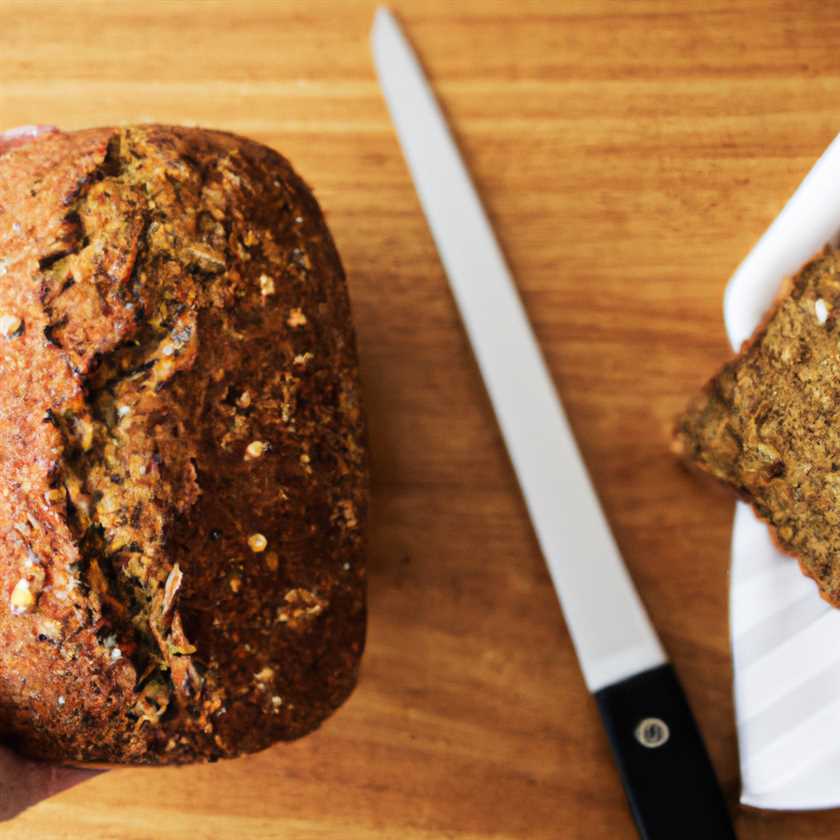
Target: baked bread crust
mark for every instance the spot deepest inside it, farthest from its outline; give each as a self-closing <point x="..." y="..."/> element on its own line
<point x="183" y="469"/>
<point x="768" y="424"/>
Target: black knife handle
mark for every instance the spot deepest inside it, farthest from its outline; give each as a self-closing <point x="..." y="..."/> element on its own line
<point x="667" y="775"/>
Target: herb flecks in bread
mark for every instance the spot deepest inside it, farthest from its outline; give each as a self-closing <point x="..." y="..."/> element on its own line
<point x="182" y="581"/>
<point x="769" y="423"/>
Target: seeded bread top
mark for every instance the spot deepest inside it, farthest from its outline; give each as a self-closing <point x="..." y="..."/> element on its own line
<point x="182" y="462"/>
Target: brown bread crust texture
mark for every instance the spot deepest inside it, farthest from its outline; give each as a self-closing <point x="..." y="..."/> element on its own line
<point x="768" y="424"/>
<point x="183" y="469"/>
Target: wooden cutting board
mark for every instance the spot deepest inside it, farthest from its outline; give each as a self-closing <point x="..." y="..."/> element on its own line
<point x="629" y="154"/>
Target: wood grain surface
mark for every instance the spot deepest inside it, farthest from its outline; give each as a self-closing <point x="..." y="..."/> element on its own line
<point x="629" y="155"/>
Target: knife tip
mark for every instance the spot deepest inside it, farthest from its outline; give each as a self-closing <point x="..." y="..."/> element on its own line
<point x="383" y="19"/>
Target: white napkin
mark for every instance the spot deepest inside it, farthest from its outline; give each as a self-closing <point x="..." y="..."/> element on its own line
<point x="785" y="638"/>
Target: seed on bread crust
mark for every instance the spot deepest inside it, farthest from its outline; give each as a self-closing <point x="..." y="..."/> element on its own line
<point x="10" y="326"/>
<point x="257" y="543"/>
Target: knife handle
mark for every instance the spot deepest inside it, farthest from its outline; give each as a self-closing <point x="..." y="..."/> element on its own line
<point x="667" y="775"/>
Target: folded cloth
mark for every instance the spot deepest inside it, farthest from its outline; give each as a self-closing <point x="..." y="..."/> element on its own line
<point x="785" y="638"/>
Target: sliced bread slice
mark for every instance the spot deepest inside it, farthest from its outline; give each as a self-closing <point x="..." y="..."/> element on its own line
<point x="768" y="424"/>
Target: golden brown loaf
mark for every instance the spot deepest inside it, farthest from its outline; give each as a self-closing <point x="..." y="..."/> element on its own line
<point x="768" y="424"/>
<point x="183" y="473"/>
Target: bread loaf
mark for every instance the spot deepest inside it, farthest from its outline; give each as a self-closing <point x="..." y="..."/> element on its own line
<point x="768" y="424"/>
<point x="183" y="472"/>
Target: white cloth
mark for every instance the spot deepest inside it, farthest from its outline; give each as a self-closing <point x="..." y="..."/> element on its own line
<point x="785" y="638"/>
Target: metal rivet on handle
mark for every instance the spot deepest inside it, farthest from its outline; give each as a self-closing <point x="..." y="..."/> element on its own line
<point x="652" y="733"/>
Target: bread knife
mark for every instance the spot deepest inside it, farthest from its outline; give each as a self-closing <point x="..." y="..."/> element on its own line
<point x="663" y="763"/>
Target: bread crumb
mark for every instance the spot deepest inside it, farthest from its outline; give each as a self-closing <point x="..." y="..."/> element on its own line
<point x="301" y="607"/>
<point x="235" y="583"/>
<point x="84" y="432"/>
<point x="57" y="494"/>
<point x="164" y="369"/>
<point x="50" y="629"/>
<point x="266" y="285"/>
<point x="244" y="399"/>
<point x="349" y="512"/>
<point x="265" y="675"/>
